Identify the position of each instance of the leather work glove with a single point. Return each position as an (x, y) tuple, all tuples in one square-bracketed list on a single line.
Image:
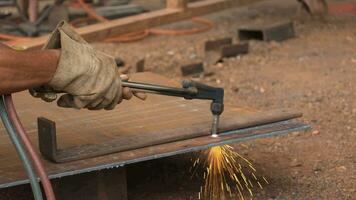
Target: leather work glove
[(88, 77)]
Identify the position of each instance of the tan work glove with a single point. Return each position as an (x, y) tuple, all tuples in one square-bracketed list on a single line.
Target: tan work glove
[(89, 77)]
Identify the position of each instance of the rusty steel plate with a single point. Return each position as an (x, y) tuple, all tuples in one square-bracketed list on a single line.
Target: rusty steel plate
[(158, 127)]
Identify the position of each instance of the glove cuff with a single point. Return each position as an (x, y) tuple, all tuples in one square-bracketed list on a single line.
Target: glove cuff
[(73, 57), (54, 41)]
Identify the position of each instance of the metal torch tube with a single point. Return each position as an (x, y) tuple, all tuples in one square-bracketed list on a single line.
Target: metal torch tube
[(158, 89), (214, 126)]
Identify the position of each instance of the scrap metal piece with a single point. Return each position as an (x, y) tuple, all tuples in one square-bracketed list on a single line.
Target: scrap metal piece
[(226, 51), (140, 65), (214, 45), (192, 69), (234, 50), (274, 32), (47, 139)]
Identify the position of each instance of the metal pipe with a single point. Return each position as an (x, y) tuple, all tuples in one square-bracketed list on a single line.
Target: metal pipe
[(36, 189), (39, 167), (214, 127)]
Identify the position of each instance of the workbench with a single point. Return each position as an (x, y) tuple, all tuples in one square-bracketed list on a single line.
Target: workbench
[(159, 127)]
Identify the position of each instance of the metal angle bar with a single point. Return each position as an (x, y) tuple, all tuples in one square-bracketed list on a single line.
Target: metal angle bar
[(279, 31), (296, 127)]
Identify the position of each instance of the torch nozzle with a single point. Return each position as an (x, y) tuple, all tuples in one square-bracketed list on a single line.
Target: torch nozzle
[(215, 126)]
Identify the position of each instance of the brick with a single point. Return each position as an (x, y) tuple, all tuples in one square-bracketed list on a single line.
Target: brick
[(140, 65)]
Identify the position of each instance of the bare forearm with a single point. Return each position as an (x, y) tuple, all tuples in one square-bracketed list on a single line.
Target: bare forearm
[(20, 70)]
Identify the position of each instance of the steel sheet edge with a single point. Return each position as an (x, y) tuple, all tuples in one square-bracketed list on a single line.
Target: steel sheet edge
[(296, 127)]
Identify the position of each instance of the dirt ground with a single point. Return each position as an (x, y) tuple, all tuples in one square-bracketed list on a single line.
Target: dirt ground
[(314, 73)]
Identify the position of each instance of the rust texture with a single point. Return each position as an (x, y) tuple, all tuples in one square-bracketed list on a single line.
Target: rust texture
[(158, 120)]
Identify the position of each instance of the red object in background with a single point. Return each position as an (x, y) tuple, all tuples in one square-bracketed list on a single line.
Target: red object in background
[(342, 8), (35, 157)]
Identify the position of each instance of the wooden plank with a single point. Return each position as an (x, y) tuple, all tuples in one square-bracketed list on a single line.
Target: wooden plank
[(177, 4), (143, 21)]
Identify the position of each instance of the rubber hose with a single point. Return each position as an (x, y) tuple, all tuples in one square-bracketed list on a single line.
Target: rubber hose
[(11, 37), (37, 162), (21, 12), (36, 189)]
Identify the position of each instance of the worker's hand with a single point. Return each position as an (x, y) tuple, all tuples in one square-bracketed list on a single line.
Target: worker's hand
[(89, 77), (128, 94)]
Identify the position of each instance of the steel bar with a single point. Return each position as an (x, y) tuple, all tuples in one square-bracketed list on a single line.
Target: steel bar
[(234, 50), (158, 89), (192, 69)]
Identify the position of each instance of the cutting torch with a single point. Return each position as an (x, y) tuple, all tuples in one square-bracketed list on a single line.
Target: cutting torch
[(189, 90)]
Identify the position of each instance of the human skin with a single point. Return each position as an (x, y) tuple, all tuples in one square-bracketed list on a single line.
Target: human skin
[(21, 70)]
